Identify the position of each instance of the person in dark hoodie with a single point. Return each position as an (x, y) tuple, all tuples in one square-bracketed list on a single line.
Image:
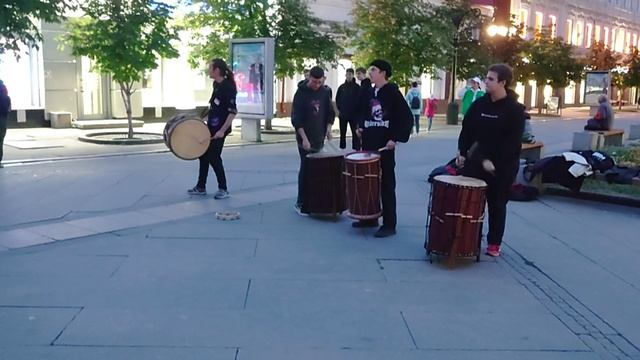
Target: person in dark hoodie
[(346, 102), (222, 110), (312, 116), (365, 83), (493, 128), (5, 109), (385, 119)]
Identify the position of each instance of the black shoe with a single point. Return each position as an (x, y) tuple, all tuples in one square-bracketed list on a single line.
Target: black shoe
[(384, 232), (364, 224)]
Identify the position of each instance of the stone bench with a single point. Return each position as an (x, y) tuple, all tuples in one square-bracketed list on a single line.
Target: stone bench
[(531, 152), (596, 140), (60, 119), (634, 132)]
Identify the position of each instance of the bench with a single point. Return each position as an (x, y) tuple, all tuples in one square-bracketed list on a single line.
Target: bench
[(531, 152), (634, 132), (596, 140), (552, 105)]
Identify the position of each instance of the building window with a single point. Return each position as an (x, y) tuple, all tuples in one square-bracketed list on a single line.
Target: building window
[(612, 44), (578, 34), (589, 37), (538, 23), (606, 36), (596, 35), (553, 26), (524, 17), (568, 31), (627, 43)]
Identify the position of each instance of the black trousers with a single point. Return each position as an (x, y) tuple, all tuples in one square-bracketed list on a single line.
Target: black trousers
[(388, 188), (3, 132), (303, 159), (212, 157), (416, 119), (353, 125), (497, 198)]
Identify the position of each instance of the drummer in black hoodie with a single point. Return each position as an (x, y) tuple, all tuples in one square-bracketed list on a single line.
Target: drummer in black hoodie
[(312, 116), (493, 128), (385, 119)]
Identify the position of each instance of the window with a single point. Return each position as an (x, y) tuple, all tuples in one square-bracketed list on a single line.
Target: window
[(589, 37), (552, 26), (568, 31), (538, 23), (627, 43), (606, 36), (524, 17), (596, 36), (578, 34)]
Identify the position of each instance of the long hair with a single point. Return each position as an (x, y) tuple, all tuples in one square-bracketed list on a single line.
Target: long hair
[(220, 64)]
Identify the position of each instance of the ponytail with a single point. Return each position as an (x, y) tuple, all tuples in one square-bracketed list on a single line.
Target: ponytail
[(220, 64)]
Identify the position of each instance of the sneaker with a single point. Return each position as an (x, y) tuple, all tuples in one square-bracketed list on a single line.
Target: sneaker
[(384, 232), (221, 194), (298, 209), (493, 250), (364, 224), (197, 191)]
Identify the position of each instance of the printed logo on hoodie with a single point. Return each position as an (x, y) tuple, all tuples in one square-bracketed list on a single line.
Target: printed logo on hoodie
[(377, 114)]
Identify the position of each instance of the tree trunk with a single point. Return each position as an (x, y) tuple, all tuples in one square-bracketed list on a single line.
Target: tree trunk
[(620, 99), (125, 91), (539, 98)]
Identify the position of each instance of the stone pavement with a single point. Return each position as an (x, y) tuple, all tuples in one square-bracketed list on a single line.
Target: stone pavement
[(108, 258)]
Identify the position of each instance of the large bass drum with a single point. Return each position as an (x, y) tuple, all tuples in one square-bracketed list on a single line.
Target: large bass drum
[(187, 136)]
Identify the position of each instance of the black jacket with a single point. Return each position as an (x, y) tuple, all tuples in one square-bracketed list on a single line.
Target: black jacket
[(313, 111), (347, 99), (5, 108), (497, 129), (384, 115)]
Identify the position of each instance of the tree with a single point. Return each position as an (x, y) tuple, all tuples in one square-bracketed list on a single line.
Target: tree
[(550, 61), (626, 74), (124, 38), (600, 57), (299, 36), (19, 21), (403, 32), (632, 79)]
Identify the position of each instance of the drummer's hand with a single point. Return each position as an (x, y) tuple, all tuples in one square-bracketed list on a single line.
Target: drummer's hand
[(306, 144), (389, 146), (359, 132), (218, 135), (488, 166), (460, 160)]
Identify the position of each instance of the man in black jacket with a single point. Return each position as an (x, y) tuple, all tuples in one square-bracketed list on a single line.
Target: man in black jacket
[(493, 126), (385, 119), (312, 116), (346, 101), (5, 109)]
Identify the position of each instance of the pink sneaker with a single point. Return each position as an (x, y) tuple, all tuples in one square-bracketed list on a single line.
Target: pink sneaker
[(493, 250)]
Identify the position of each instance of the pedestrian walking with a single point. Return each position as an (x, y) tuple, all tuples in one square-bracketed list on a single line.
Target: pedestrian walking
[(430, 111), (414, 99), (346, 102), (222, 110), (470, 94), (493, 126)]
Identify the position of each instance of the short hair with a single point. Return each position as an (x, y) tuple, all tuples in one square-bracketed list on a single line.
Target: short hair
[(350, 70), (316, 72), (602, 98), (414, 84), (504, 71), (361, 70)]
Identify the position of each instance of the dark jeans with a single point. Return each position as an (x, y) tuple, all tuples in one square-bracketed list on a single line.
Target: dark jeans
[(497, 198), (388, 188), (353, 125), (213, 156), (303, 159), (416, 118), (3, 132)]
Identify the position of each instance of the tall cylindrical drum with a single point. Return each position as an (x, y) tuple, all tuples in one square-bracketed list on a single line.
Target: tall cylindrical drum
[(323, 184), (362, 178)]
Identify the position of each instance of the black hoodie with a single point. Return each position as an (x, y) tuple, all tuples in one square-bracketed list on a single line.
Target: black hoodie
[(497, 129), (347, 99), (313, 111), (384, 116)]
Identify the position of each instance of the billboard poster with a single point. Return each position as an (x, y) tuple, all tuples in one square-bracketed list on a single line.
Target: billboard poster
[(252, 63), (596, 83)]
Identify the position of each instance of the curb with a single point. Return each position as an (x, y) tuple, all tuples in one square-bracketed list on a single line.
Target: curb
[(611, 199), (89, 138)]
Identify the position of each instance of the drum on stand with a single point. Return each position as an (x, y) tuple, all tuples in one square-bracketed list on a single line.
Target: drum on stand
[(455, 216), (323, 192), (186, 136), (362, 177)]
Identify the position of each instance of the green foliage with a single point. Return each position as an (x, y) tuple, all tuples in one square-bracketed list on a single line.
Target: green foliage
[(600, 57), (123, 38), (299, 36), (19, 21), (404, 33), (550, 61), (632, 62)]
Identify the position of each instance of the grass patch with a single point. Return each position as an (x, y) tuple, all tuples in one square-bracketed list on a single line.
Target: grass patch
[(604, 188), (624, 156)]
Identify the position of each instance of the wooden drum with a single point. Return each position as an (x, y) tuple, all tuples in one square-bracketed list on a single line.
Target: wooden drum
[(362, 176), (187, 136), (323, 192), (456, 213)]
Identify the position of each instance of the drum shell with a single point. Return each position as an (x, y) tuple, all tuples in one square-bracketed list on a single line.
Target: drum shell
[(455, 214), (324, 192), (186, 136), (363, 181)]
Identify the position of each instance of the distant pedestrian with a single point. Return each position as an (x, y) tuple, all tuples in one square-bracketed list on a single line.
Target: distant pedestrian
[(222, 111), (470, 94), (312, 116), (5, 109), (431, 108), (414, 99), (603, 119), (346, 102)]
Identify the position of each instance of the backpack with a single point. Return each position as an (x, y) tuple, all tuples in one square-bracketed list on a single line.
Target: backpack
[(415, 102)]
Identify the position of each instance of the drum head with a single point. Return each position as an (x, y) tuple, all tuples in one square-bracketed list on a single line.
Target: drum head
[(189, 139), (461, 181), (362, 156)]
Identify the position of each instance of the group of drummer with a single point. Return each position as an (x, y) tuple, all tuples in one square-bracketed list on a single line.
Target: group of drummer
[(488, 145)]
